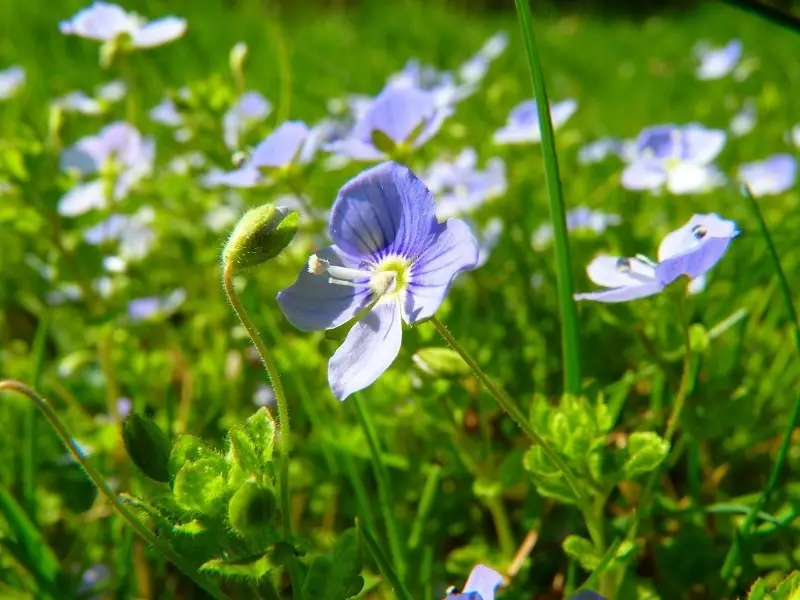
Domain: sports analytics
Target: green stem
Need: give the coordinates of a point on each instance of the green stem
(505, 536)
(277, 386)
(29, 456)
(514, 412)
(570, 338)
(735, 549)
(98, 480)
(385, 496)
(672, 426)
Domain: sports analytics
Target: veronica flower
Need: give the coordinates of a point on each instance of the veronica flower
(522, 126)
(292, 143)
(133, 233)
(580, 218)
(113, 91)
(11, 81)
(460, 187)
(774, 175)
(118, 148)
(166, 113)
(392, 261)
(481, 585)
(477, 66)
(488, 237)
(676, 157)
(442, 84)
(690, 251)
(715, 63)
(599, 150)
(106, 22)
(145, 309)
(80, 102)
(246, 176)
(744, 121)
(249, 109)
(399, 119)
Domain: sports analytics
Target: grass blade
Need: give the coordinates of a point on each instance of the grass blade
(383, 562)
(786, 292)
(28, 546)
(569, 315)
(29, 458)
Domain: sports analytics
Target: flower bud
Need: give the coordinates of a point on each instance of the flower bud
(237, 58)
(260, 235)
(252, 509)
(147, 446)
(188, 448)
(440, 362)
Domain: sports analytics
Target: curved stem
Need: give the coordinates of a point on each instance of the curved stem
(277, 386)
(98, 480)
(515, 413)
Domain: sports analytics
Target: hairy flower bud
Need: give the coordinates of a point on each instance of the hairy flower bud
(251, 509)
(260, 235)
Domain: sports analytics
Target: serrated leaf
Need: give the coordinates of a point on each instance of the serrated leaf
(252, 571)
(202, 486)
(646, 450)
(261, 429)
(556, 487)
(187, 448)
(583, 551)
(538, 463)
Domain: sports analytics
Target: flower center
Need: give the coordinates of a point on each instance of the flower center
(386, 279)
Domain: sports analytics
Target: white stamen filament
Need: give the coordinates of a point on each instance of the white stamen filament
(380, 281)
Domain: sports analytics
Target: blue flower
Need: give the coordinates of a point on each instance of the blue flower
(715, 63)
(460, 187)
(676, 157)
(166, 113)
(249, 109)
(444, 87)
(522, 126)
(292, 143)
(578, 218)
(81, 102)
(587, 595)
(599, 150)
(146, 309)
(690, 251)
(477, 66)
(105, 22)
(11, 80)
(481, 585)
(132, 232)
(391, 261)
(744, 121)
(404, 115)
(774, 175)
(120, 149)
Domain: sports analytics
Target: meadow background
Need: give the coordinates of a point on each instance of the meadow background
(459, 490)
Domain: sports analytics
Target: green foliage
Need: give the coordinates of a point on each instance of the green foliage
(147, 446)
(337, 575)
(440, 362)
(645, 451)
(787, 589)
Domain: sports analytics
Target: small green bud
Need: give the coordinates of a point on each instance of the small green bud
(440, 362)
(147, 446)
(252, 509)
(699, 339)
(236, 59)
(260, 235)
(383, 142)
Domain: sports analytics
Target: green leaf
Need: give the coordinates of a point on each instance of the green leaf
(252, 511)
(556, 487)
(646, 450)
(147, 446)
(440, 362)
(187, 448)
(242, 456)
(383, 562)
(583, 551)
(252, 571)
(383, 142)
(261, 429)
(29, 546)
(202, 486)
(699, 340)
(339, 575)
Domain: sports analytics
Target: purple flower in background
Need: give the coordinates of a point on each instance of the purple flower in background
(481, 585)
(744, 121)
(487, 237)
(391, 258)
(250, 109)
(774, 175)
(460, 187)
(401, 115)
(146, 309)
(522, 126)
(477, 66)
(293, 142)
(11, 81)
(678, 158)
(118, 147)
(599, 150)
(83, 103)
(246, 176)
(264, 395)
(442, 85)
(690, 251)
(103, 22)
(580, 218)
(716, 63)
(132, 232)
(166, 113)
(587, 595)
